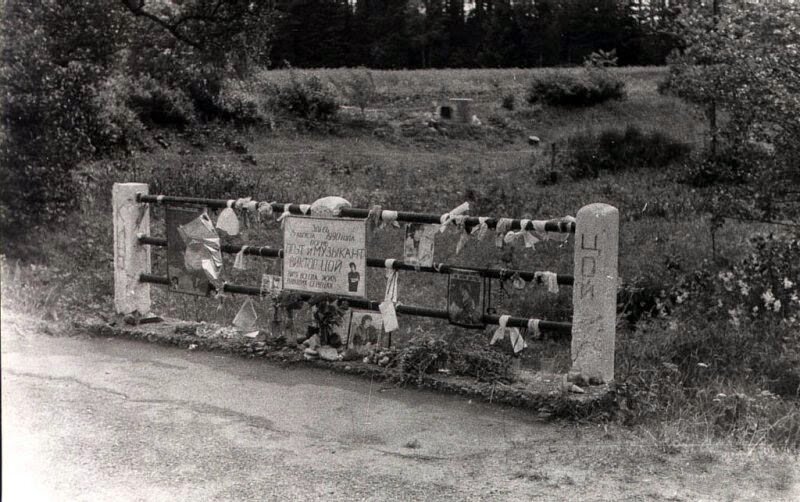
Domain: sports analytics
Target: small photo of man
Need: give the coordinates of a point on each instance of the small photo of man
(353, 278)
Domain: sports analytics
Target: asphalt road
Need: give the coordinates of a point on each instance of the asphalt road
(102, 419)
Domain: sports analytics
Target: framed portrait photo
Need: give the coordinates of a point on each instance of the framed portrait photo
(465, 298)
(366, 331)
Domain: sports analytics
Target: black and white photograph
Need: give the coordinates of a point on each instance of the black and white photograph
(282, 250)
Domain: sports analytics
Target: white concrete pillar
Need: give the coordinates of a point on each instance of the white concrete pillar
(130, 257)
(463, 109)
(594, 294)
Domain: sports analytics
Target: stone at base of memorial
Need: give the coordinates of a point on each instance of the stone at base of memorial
(328, 353)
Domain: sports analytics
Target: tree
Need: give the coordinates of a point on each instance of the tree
(746, 62)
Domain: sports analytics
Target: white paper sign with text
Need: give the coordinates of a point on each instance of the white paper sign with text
(325, 255)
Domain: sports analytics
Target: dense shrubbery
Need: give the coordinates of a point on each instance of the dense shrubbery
(590, 87)
(728, 348)
(613, 150)
(307, 98)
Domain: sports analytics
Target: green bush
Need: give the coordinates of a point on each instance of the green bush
(590, 87)
(614, 150)
(360, 88)
(308, 98)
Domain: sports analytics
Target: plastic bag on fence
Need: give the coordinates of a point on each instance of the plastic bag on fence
(228, 221)
(246, 318)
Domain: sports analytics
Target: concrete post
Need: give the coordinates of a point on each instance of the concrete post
(463, 109)
(130, 257)
(594, 294)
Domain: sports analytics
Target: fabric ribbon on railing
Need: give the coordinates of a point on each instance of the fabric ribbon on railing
(481, 229)
(550, 278)
(517, 281)
(264, 210)
(533, 328)
(446, 218)
(242, 202)
(463, 235)
(305, 208)
(239, 262)
(387, 306)
(389, 218)
(502, 227)
(227, 221)
(517, 341)
(374, 218)
(284, 214)
(524, 232)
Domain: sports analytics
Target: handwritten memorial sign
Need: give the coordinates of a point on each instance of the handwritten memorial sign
(325, 255)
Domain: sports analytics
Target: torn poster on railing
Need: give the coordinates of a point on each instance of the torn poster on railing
(325, 255)
(366, 331)
(465, 298)
(418, 245)
(191, 241)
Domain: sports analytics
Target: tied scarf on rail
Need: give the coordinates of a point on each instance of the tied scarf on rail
(517, 342)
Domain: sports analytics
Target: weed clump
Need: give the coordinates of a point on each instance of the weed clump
(589, 88)
(613, 151)
(307, 98)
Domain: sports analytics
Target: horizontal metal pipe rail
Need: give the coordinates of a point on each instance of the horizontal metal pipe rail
(562, 329)
(437, 268)
(351, 212)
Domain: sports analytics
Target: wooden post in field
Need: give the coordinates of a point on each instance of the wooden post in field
(130, 258)
(463, 109)
(594, 294)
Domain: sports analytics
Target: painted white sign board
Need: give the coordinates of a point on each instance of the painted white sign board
(325, 255)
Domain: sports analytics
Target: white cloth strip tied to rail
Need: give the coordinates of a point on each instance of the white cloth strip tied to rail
(387, 306)
(502, 227)
(463, 235)
(284, 214)
(264, 210)
(481, 229)
(447, 218)
(539, 229)
(549, 278)
(228, 221)
(239, 263)
(517, 281)
(515, 337)
(374, 218)
(388, 218)
(533, 328)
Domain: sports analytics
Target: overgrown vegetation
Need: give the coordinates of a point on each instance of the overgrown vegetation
(594, 85)
(613, 150)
